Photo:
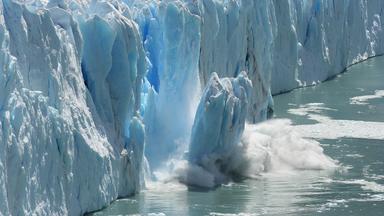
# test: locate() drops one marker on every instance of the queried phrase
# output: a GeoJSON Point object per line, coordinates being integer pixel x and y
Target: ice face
{"type": "Point", "coordinates": [323, 38]}
{"type": "Point", "coordinates": [113, 66]}
{"type": "Point", "coordinates": [219, 123]}
{"type": "Point", "coordinates": [238, 36]}
{"type": "Point", "coordinates": [172, 40]}
{"type": "Point", "coordinates": [60, 152]}
{"type": "Point", "coordinates": [88, 88]}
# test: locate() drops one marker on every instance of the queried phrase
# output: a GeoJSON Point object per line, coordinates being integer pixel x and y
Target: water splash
{"type": "Point", "coordinates": [274, 146]}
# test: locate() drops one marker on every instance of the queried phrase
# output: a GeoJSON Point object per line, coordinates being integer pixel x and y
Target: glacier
{"type": "Point", "coordinates": [97, 93]}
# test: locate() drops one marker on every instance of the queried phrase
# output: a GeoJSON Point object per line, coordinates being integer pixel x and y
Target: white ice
{"type": "Point", "coordinates": [89, 88]}
{"type": "Point", "coordinates": [363, 100]}
{"type": "Point", "coordinates": [329, 128]}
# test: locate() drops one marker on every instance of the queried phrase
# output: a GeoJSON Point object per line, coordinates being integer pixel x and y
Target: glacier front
{"type": "Point", "coordinates": [95, 93]}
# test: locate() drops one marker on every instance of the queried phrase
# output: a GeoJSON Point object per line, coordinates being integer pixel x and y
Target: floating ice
{"type": "Point", "coordinates": [328, 128]}
{"type": "Point", "coordinates": [362, 100]}
{"type": "Point", "coordinates": [311, 111]}
{"type": "Point", "coordinates": [86, 84]}
{"type": "Point", "coordinates": [334, 129]}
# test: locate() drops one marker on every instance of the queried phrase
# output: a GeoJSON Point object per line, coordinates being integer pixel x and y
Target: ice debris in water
{"type": "Point", "coordinates": [223, 145]}
{"type": "Point", "coordinates": [86, 84]}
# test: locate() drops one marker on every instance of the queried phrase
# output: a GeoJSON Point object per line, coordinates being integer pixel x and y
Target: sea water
{"type": "Point", "coordinates": [345, 115]}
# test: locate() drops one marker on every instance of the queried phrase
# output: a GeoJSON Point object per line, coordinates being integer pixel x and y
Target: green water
{"type": "Point", "coordinates": [355, 189]}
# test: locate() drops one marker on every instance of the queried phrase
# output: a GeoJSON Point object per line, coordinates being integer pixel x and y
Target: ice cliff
{"type": "Point", "coordinates": [94, 91]}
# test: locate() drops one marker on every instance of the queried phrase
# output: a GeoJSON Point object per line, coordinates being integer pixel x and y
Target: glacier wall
{"type": "Point", "coordinates": [322, 39]}
{"type": "Point", "coordinates": [63, 144]}
{"type": "Point", "coordinates": [92, 89]}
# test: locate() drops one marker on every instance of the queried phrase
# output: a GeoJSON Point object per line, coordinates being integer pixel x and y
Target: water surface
{"type": "Point", "coordinates": [346, 115]}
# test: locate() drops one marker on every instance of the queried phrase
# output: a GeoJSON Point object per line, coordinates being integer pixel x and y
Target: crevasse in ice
{"type": "Point", "coordinates": [91, 90]}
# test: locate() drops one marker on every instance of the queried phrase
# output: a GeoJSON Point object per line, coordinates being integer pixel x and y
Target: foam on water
{"type": "Point", "coordinates": [355, 155]}
{"type": "Point", "coordinates": [345, 202]}
{"type": "Point", "coordinates": [228, 214]}
{"type": "Point", "coordinates": [366, 185]}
